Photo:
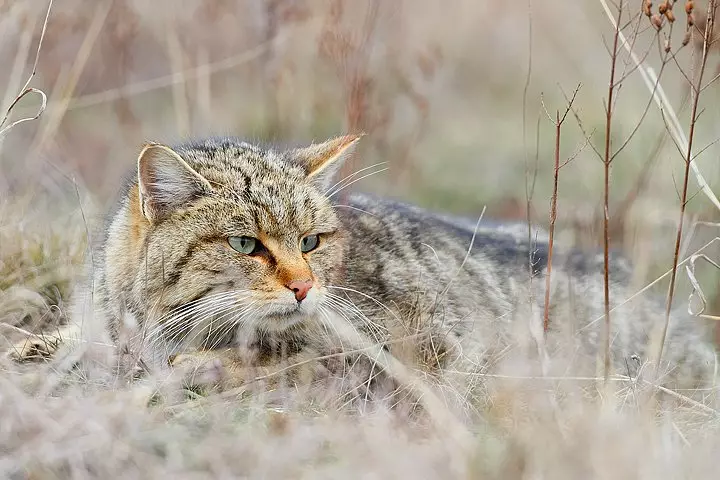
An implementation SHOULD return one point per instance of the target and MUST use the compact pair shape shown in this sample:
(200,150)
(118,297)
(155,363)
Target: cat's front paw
(44,346)
(207,371)
(200,371)
(34,348)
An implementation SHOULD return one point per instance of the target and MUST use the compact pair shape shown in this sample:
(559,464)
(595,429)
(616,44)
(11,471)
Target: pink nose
(300,288)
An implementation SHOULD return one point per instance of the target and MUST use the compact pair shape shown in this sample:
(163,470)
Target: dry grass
(437,88)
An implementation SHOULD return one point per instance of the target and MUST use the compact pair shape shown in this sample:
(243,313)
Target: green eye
(246,245)
(309,243)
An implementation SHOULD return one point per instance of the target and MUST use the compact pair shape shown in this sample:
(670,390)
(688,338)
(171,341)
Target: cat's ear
(321,161)
(166,182)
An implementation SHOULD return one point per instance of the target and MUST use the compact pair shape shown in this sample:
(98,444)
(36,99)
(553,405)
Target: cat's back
(405,257)
(413,233)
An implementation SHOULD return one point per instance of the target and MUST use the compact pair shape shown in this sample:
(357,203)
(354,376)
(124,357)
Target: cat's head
(231,234)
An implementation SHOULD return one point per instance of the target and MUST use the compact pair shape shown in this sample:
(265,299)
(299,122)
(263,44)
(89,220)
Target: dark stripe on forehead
(245,187)
(255,217)
(301,208)
(271,216)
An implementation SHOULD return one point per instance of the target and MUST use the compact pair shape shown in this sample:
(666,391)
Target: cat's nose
(300,288)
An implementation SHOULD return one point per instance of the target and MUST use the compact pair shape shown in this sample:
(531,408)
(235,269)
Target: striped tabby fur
(168,280)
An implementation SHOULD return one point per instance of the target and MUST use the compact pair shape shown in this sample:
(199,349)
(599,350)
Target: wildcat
(218,245)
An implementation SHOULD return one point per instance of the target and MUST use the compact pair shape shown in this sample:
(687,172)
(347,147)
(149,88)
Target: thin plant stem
(558,122)
(607,160)
(695,91)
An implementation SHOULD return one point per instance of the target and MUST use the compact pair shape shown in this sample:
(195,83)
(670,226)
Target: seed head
(686,38)
(663,7)
(647,7)
(689,5)
(656,20)
(670,15)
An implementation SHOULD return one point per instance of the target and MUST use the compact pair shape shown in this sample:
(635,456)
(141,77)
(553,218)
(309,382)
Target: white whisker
(176,326)
(192,308)
(228,318)
(341,306)
(340,189)
(337,205)
(337,184)
(237,321)
(369,297)
(171,326)
(328,323)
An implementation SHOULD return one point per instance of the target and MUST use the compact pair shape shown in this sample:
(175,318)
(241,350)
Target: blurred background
(453,96)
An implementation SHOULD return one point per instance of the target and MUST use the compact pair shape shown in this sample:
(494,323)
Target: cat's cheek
(249,272)
(326,258)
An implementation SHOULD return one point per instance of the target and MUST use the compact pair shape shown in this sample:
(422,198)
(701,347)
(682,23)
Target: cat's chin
(286,316)
(279,323)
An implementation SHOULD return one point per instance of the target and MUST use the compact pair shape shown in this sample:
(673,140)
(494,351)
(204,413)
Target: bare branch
(570,103)
(702,150)
(577,152)
(25,90)
(558,122)
(606,196)
(642,117)
(674,127)
(688,161)
(529,188)
(587,136)
(547,114)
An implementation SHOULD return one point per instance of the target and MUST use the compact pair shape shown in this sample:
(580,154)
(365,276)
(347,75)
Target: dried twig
(26,89)
(558,122)
(529,186)
(350,53)
(661,100)
(66,83)
(697,290)
(607,160)
(695,92)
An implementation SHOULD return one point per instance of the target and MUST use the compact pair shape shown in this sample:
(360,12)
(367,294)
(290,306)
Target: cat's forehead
(277,215)
(228,162)
(279,189)
(261,185)
(240,169)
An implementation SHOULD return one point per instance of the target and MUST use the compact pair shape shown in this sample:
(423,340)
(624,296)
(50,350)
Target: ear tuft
(321,161)
(166,182)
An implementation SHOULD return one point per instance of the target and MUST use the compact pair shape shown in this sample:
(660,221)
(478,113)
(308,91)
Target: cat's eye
(246,245)
(309,243)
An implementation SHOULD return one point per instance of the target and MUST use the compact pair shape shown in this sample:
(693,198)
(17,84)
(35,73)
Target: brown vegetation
(435,86)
